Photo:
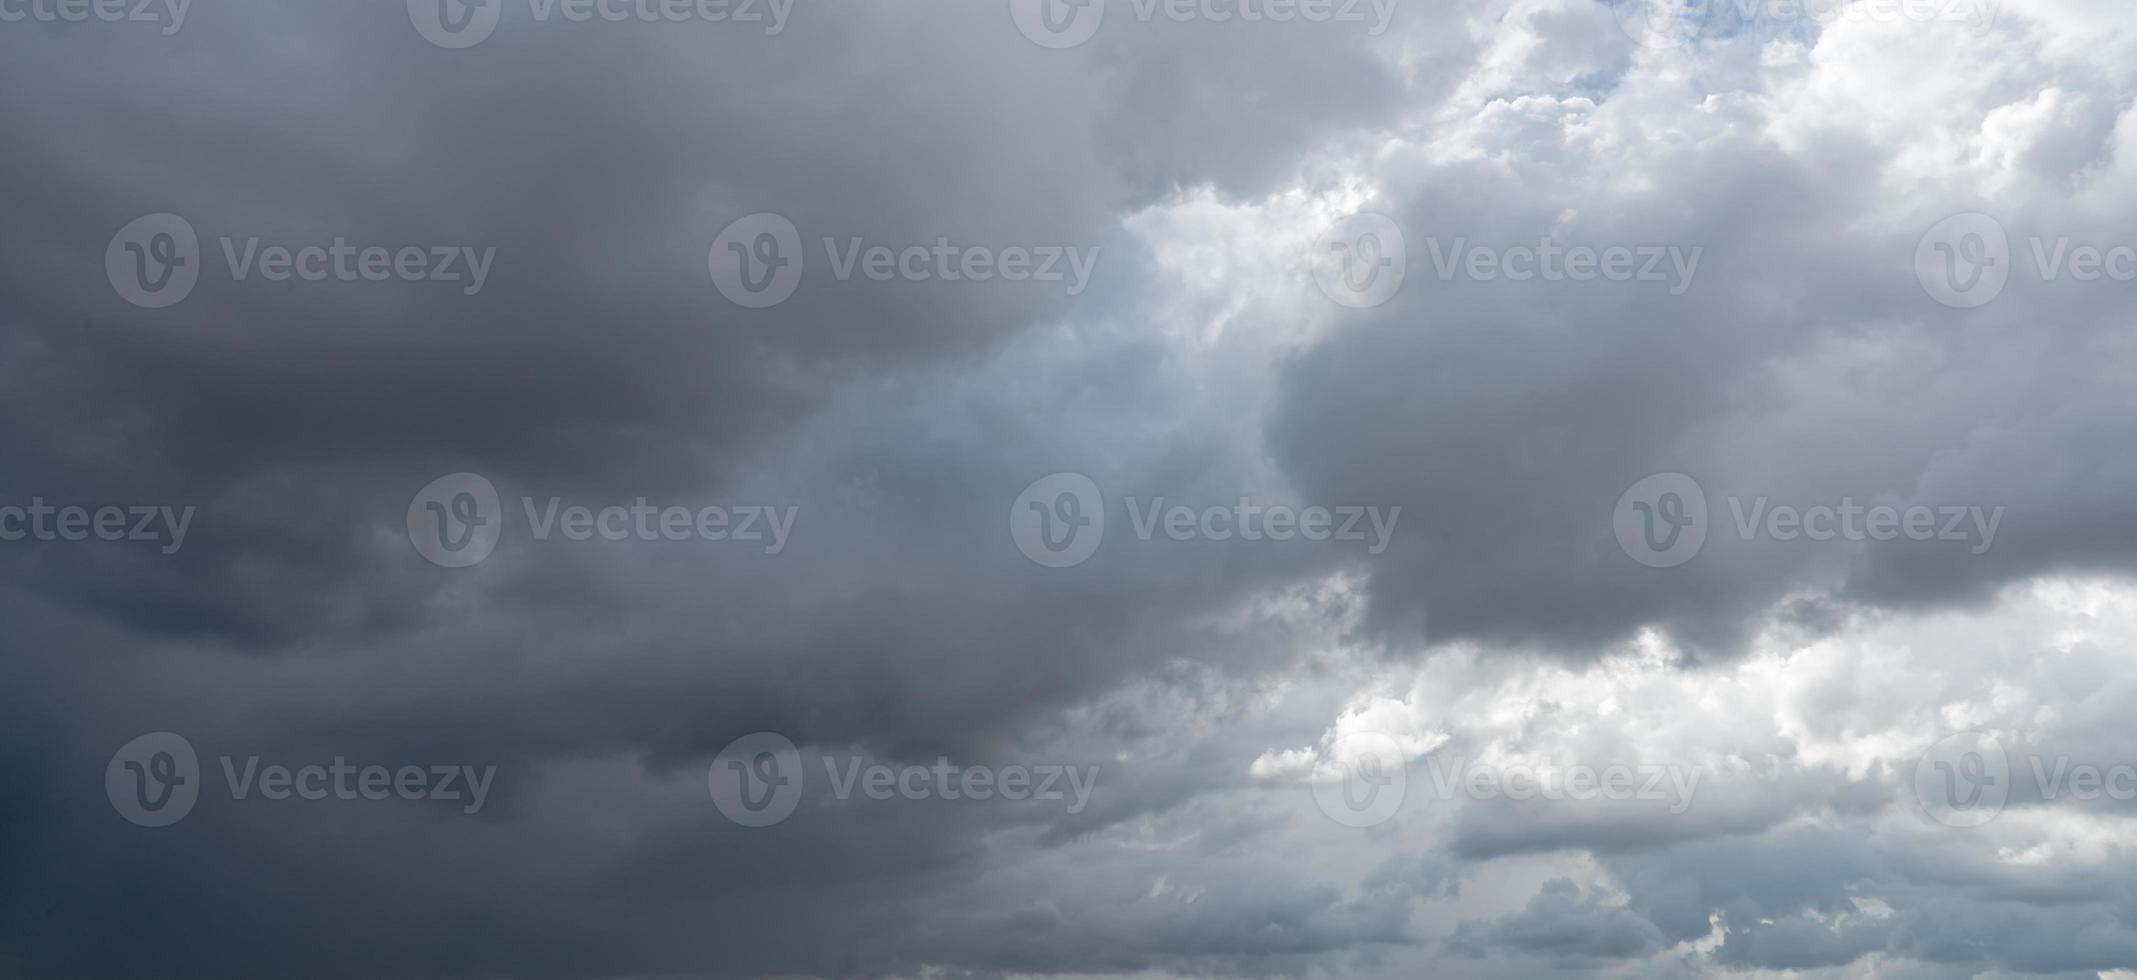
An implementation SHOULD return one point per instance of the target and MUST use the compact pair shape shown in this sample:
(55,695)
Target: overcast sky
(573,489)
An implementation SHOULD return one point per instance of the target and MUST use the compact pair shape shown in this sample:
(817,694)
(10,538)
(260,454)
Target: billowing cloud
(1632,549)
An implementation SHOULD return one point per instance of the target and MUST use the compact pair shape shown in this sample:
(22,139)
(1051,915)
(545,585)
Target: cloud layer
(1785,337)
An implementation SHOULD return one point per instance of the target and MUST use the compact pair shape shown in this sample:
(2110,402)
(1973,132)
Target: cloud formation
(1630,244)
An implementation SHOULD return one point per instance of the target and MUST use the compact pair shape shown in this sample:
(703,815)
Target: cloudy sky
(572,489)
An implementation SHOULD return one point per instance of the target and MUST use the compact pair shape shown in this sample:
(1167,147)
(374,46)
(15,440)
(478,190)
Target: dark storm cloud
(599,363)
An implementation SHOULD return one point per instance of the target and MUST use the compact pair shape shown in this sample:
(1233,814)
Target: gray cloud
(1208,680)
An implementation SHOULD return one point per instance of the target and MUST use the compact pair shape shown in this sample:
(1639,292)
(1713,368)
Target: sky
(970,489)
